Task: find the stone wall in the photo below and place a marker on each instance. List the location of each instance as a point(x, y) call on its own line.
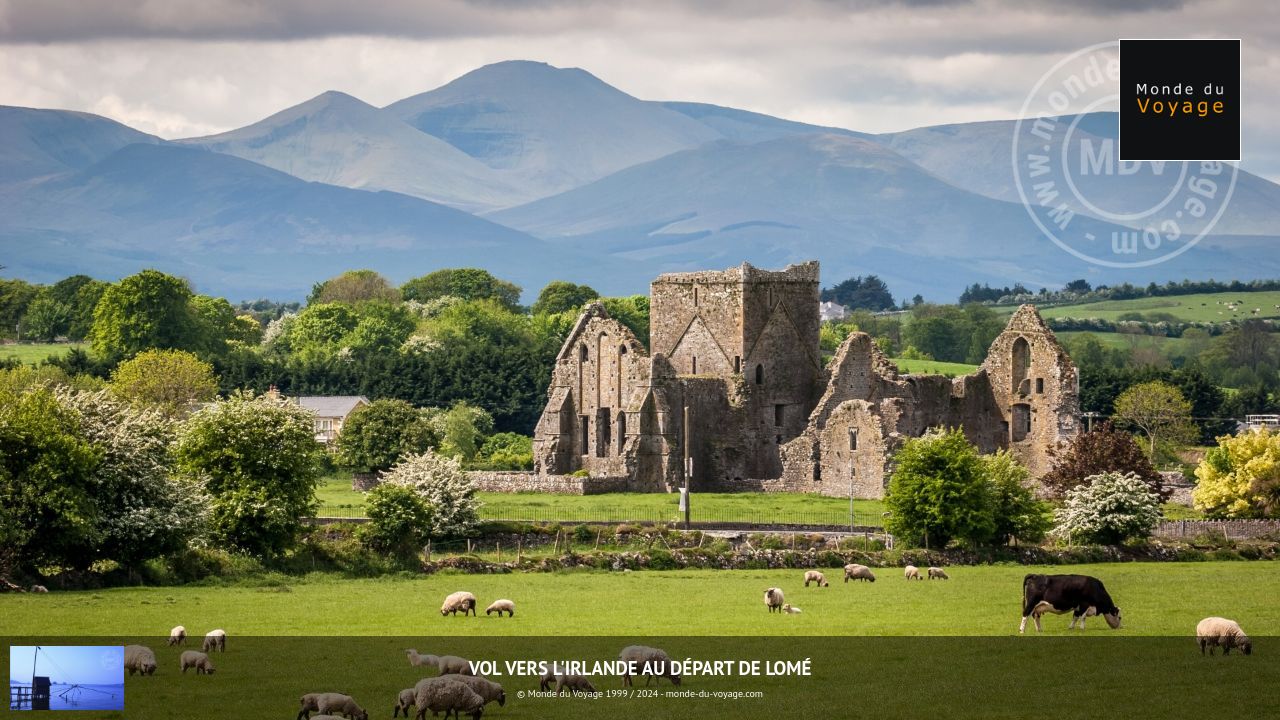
point(530, 481)
point(1231, 529)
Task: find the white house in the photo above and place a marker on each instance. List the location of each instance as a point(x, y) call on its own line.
point(331, 412)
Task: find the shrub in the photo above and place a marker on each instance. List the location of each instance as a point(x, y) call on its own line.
point(1112, 508)
point(445, 490)
point(400, 520)
point(939, 492)
point(506, 451)
point(376, 436)
point(1104, 449)
point(1241, 477)
point(1016, 511)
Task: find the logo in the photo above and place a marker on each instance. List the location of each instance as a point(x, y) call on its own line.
point(1082, 196)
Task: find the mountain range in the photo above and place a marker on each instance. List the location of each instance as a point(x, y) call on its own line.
point(540, 173)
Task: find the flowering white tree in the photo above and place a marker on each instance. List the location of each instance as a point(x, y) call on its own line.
point(445, 489)
point(1109, 509)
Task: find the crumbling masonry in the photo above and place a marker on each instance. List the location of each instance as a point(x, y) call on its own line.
point(737, 352)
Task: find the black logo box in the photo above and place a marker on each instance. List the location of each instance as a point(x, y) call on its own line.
point(1187, 68)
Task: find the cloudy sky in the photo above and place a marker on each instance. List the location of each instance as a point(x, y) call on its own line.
point(178, 68)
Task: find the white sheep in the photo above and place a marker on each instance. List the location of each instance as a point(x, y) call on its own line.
point(938, 574)
point(197, 660)
point(215, 640)
point(911, 572)
point(1213, 632)
point(404, 701)
point(331, 703)
point(574, 684)
point(501, 606)
point(139, 659)
point(39, 589)
point(853, 571)
point(461, 601)
point(638, 656)
point(177, 636)
point(791, 609)
point(484, 687)
point(444, 664)
point(773, 599)
point(447, 694)
point(815, 576)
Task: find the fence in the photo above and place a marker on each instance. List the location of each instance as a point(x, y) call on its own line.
point(619, 515)
point(1230, 529)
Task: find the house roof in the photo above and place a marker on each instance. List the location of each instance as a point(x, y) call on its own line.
point(332, 406)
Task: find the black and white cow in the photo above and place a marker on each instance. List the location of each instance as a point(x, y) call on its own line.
point(1080, 595)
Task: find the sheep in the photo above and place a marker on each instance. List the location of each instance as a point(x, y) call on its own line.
point(817, 577)
point(858, 572)
point(484, 687)
point(139, 659)
point(574, 683)
point(444, 664)
point(773, 599)
point(404, 701)
point(197, 660)
point(459, 601)
point(791, 609)
point(447, 694)
point(215, 639)
point(937, 573)
point(658, 661)
point(911, 572)
point(501, 606)
point(177, 636)
point(1213, 632)
point(39, 589)
point(331, 703)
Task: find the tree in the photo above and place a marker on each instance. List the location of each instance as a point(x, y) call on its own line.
point(46, 318)
point(1016, 511)
point(400, 520)
point(506, 451)
point(1240, 478)
point(632, 311)
point(1159, 411)
point(377, 435)
point(939, 491)
point(446, 491)
point(15, 296)
point(462, 430)
point(869, 293)
point(464, 283)
point(353, 287)
point(1078, 286)
point(320, 328)
point(257, 458)
point(1111, 509)
point(560, 296)
point(144, 311)
point(172, 381)
point(1104, 449)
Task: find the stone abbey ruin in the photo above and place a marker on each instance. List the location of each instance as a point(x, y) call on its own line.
point(736, 352)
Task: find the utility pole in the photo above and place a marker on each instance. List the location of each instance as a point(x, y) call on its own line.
point(1088, 421)
point(853, 446)
point(688, 468)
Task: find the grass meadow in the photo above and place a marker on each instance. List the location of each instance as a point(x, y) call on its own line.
point(1202, 307)
point(32, 353)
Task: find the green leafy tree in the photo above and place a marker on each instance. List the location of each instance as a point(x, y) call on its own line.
point(46, 318)
point(258, 460)
point(320, 328)
point(1159, 412)
point(632, 311)
point(15, 296)
point(462, 430)
point(1240, 478)
point(867, 293)
point(464, 283)
point(939, 492)
point(1111, 509)
point(1104, 449)
point(149, 310)
point(506, 451)
point(377, 435)
point(560, 296)
point(354, 287)
point(171, 381)
point(381, 328)
point(400, 520)
point(1016, 511)
point(447, 492)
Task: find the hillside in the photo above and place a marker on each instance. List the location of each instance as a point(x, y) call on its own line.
point(1200, 307)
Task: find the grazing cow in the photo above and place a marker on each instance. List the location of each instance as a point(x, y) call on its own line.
point(1081, 595)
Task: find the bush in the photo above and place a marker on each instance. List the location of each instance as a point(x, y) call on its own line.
point(399, 520)
point(1241, 477)
point(376, 436)
point(939, 492)
point(1016, 511)
point(1103, 450)
point(506, 451)
point(1111, 509)
point(445, 490)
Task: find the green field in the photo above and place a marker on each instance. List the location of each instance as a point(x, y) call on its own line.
point(33, 353)
point(1204, 307)
point(1168, 346)
point(934, 367)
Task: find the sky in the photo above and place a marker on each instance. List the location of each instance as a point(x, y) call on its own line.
point(78, 664)
point(179, 68)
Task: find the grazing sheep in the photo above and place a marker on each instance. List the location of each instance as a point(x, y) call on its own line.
point(197, 660)
point(791, 609)
point(501, 606)
point(444, 664)
point(447, 694)
point(39, 589)
point(215, 639)
point(404, 701)
point(177, 636)
point(575, 684)
point(461, 601)
point(773, 599)
point(659, 664)
point(415, 658)
point(911, 572)
point(484, 687)
point(815, 576)
point(1213, 632)
point(331, 703)
point(139, 659)
point(937, 573)
point(858, 572)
